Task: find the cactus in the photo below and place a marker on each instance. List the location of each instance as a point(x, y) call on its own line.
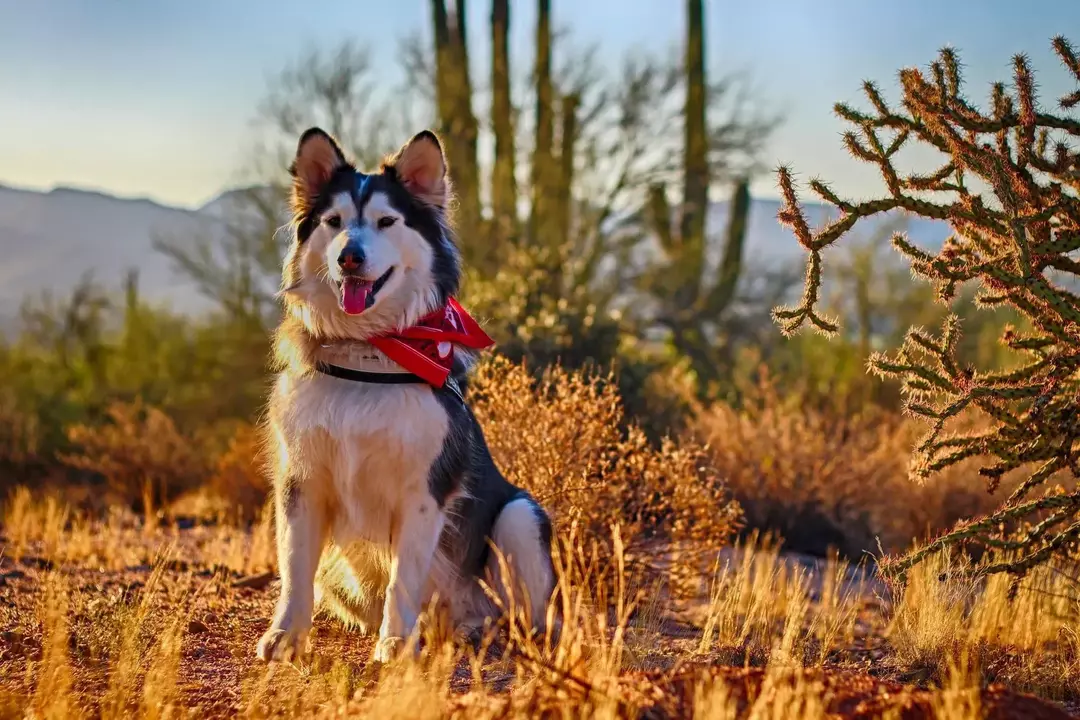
point(696, 145)
point(504, 193)
point(568, 129)
point(457, 122)
point(543, 173)
point(688, 298)
point(1015, 248)
point(680, 284)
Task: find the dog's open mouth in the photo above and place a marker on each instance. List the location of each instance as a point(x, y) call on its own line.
point(358, 294)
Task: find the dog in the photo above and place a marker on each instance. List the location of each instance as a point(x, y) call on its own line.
point(385, 492)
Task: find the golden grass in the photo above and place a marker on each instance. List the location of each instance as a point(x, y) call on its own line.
point(65, 536)
point(1025, 635)
point(140, 653)
point(756, 594)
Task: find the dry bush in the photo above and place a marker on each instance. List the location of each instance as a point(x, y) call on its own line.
point(20, 433)
point(239, 476)
point(822, 478)
point(564, 438)
point(141, 455)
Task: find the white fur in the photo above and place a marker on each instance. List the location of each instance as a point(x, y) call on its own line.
point(362, 454)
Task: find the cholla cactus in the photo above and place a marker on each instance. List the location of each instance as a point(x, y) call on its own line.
point(1016, 246)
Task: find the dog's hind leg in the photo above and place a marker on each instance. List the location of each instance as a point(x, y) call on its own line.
point(522, 533)
point(350, 586)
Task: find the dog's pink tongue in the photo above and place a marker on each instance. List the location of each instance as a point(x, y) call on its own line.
point(354, 295)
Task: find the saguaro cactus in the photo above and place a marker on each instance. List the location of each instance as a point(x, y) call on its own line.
point(543, 170)
point(504, 193)
point(568, 129)
point(457, 121)
point(1017, 252)
point(689, 299)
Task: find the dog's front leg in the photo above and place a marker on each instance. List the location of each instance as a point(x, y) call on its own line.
point(413, 546)
point(301, 534)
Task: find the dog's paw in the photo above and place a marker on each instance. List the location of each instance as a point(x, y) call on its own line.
point(283, 645)
point(387, 649)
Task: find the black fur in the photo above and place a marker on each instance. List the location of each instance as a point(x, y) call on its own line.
point(465, 464)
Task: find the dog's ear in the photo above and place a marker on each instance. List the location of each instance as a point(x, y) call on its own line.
point(317, 157)
point(421, 167)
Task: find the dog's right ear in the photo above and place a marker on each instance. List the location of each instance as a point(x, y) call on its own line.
point(318, 156)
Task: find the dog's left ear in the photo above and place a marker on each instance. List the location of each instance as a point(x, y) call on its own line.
point(317, 157)
point(421, 167)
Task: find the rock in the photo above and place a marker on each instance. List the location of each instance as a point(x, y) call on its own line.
point(255, 582)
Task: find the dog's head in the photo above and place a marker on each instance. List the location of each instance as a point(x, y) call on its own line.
point(372, 251)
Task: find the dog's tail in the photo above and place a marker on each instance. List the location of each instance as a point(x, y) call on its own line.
point(522, 533)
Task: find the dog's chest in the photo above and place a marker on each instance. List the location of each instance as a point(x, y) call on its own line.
point(370, 446)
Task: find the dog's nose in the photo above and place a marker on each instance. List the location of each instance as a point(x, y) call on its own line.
point(351, 258)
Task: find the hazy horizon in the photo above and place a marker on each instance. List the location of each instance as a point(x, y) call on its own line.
point(157, 101)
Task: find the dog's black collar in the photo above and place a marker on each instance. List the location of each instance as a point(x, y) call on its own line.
point(369, 377)
point(384, 378)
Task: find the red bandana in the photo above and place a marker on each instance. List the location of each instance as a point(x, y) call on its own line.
point(427, 348)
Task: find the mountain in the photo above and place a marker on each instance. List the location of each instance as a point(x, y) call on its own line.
point(50, 239)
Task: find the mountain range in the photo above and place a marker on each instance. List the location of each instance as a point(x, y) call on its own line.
point(49, 240)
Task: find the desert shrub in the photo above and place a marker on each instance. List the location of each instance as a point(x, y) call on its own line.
point(19, 434)
point(1008, 186)
point(72, 357)
point(539, 328)
point(239, 476)
point(822, 477)
point(140, 454)
point(565, 439)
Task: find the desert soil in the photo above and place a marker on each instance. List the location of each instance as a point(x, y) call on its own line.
point(218, 669)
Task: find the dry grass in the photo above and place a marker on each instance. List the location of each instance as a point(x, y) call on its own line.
point(173, 637)
point(1024, 634)
point(755, 597)
point(51, 531)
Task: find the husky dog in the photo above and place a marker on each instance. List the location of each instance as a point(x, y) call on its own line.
point(385, 491)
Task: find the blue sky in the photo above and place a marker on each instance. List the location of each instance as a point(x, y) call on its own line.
point(155, 98)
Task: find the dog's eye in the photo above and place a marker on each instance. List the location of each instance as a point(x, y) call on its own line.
point(333, 221)
point(385, 222)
